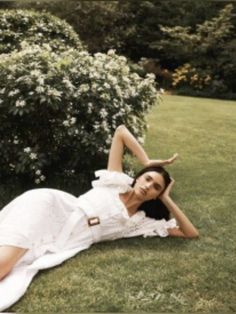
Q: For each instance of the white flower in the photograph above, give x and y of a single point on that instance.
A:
(66, 123)
(162, 91)
(125, 70)
(103, 113)
(42, 178)
(98, 55)
(35, 73)
(90, 107)
(151, 76)
(122, 59)
(98, 64)
(40, 89)
(12, 67)
(38, 172)
(40, 80)
(84, 88)
(73, 120)
(106, 85)
(27, 150)
(111, 52)
(94, 87)
(2, 91)
(37, 181)
(104, 125)
(112, 79)
(13, 92)
(33, 156)
(141, 140)
(54, 92)
(20, 103)
(118, 91)
(68, 83)
(16, 141)
(126, 80)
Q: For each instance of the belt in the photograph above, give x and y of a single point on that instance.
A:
(67, 229)
(93, 219)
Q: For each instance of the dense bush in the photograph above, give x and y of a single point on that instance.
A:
(58, 112)
(17, 26)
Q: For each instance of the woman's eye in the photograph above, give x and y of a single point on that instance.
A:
(147, 178)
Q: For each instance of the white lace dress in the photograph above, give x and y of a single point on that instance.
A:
(54, 226)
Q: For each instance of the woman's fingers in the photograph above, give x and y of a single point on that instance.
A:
(172, 159)
(160, 162)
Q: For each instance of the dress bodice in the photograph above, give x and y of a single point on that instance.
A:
(103, 202)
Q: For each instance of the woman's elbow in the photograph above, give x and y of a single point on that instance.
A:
(121, 128)
(192, 235)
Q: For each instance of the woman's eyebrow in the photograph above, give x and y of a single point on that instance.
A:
(155, 183)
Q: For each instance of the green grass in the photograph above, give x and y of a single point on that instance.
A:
(164, 275)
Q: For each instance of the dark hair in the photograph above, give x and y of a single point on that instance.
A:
(155, 208)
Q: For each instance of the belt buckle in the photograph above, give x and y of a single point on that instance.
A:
(93, 221)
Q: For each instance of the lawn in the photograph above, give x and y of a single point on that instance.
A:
(163, 274)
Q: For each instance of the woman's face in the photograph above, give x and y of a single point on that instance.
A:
(149, 185)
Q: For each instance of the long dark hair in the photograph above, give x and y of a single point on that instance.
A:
(155, 208)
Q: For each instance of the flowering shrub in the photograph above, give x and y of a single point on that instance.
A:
(17, 26)
(58, 112)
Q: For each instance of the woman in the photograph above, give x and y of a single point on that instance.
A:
(41, 228)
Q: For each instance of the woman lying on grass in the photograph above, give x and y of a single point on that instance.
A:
(43, 227)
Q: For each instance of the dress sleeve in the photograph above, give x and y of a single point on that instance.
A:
(113, 179)
(139, 225)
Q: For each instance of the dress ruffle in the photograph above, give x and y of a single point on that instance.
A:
(139, 224)
(119, 180)
(161, 228)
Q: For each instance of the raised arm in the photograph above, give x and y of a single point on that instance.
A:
(123, 138)
(186, 228)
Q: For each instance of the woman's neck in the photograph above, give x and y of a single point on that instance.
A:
(131, 202)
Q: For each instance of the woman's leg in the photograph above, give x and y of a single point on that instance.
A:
(9, 256)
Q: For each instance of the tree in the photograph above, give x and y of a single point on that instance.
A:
(206, 55)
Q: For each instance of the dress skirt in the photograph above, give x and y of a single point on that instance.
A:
(38, 220)
(51, 225)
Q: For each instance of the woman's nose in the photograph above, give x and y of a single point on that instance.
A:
(147, 186)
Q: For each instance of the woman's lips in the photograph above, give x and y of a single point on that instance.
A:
(143, 191)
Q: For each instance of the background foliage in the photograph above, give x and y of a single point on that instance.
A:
(136, 29)
(206, 57)
(17, 26)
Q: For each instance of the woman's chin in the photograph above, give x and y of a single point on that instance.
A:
(140, 195)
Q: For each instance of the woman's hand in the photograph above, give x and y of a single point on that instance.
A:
(161, 162)
(186, 229)
(166, 193)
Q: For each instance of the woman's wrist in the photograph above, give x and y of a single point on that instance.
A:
(167, 200)
(146, 162)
